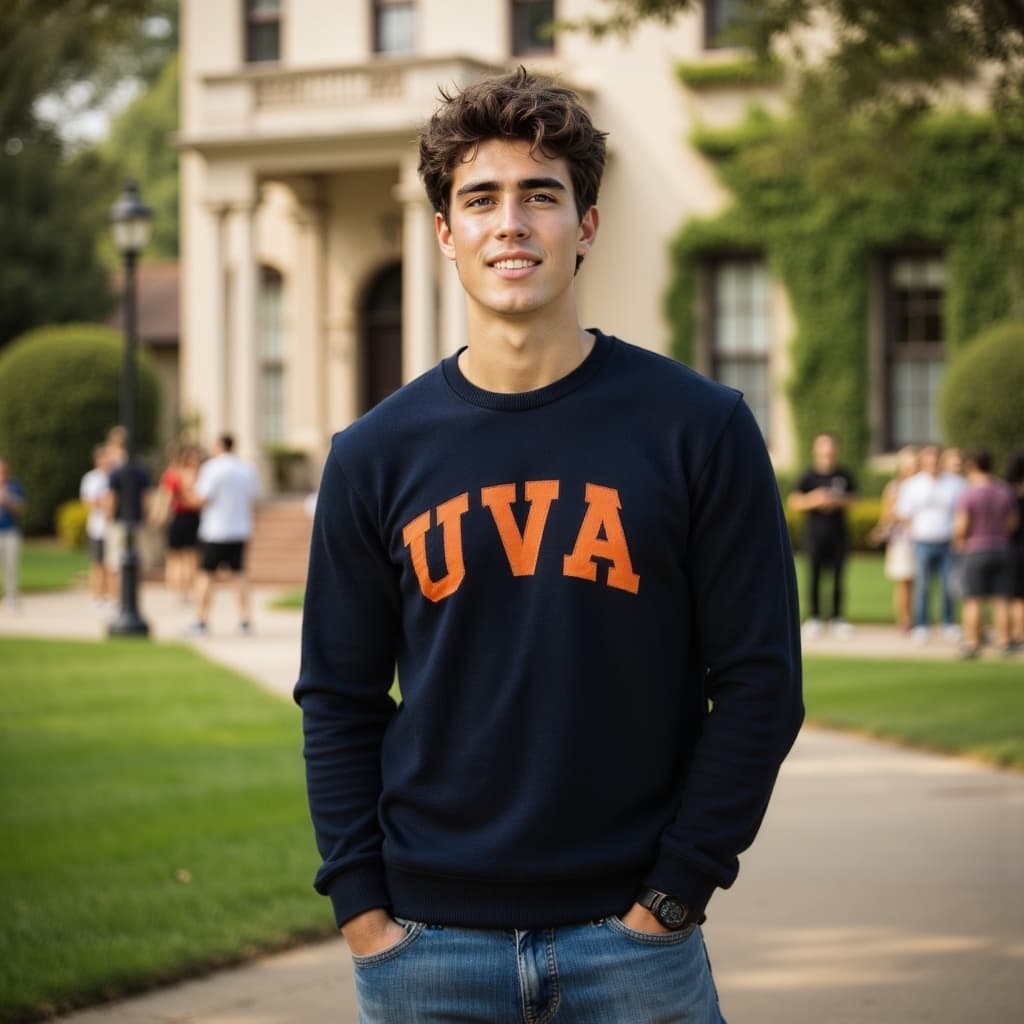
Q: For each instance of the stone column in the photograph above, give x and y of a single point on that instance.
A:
(245, 364)
(419, 254)
(454, 328)
(216, 341)
(307, 357)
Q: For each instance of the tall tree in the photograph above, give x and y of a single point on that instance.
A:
(52, 208)
(903, 53)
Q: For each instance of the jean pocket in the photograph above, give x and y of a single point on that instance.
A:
(413, 930)
(650, 938)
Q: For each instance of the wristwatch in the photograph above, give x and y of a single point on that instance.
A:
(670, 912)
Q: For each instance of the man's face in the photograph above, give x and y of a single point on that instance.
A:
(825, 453)
(930, 459)
(513, 230)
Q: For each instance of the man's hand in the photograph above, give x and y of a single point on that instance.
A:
(372, 932)
(640, 919)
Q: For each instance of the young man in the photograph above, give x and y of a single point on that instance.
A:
(824, 493)
(986, 517)
(927, 507)
(574, 551)
(93, 490)
(12, 504)
(225, 491)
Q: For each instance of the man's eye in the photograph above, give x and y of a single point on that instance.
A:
(542, 197)
(479, 201)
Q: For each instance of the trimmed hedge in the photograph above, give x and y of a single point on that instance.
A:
(982, 398)
(60, 389)
(861, 518)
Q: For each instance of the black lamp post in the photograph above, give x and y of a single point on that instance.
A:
(130, 219)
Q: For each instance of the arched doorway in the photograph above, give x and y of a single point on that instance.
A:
(380, 319)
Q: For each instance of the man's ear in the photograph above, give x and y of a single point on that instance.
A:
(588, 231)
(444, 236)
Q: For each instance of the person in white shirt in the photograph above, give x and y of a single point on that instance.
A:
(225, 490)
(92, 491)
(927, 507)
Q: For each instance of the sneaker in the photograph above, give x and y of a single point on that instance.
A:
(969, 651)
(196, 629)
(812, 627)
(951, 633)
(842, 629)
(245, 628)
(919, 634)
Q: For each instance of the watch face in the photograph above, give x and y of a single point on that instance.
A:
(672, 914)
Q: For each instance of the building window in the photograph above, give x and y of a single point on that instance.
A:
(262, 31)
(719, 17)
(271, 355)
(394, 26)
(915, 288)
(740, 331)
(531, 21)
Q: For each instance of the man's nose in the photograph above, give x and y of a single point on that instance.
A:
(511, 222)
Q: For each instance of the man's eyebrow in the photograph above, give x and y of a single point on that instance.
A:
(525, 185)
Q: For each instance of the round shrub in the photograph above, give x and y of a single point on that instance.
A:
(60, 392)
(981, 400)
(71, 520)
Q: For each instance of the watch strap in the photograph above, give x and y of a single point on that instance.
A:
(653, 899)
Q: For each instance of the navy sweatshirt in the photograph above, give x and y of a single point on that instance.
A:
(588, 592)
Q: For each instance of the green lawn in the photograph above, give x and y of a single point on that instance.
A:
(49, 565)
(153, 818)
(868, 593)
(974, 708)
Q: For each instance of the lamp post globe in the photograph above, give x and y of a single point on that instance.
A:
(130, 222)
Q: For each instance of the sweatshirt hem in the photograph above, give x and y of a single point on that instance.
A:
(501, 903)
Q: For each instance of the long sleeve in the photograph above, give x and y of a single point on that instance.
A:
(746, 626)
(350, 624)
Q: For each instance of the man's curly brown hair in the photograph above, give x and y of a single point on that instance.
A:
(520, 105)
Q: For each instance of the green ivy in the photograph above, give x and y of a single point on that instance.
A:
(956, 184)
(724, 74)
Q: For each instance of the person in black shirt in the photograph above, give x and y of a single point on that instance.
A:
(824, 492)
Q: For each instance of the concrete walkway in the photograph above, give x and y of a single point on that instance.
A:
(886, 885)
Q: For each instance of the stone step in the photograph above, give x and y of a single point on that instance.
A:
(279, 548)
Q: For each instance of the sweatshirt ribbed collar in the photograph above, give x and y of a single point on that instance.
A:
(522, 400)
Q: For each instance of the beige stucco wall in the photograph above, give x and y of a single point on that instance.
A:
(280, 165)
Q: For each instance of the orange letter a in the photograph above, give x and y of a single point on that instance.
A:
(449, 518)
(602, 514)
(521, 549)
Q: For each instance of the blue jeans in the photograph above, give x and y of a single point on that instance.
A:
(596, 973)
(932, 560)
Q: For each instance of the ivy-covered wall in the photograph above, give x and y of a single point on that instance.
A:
(958, 185)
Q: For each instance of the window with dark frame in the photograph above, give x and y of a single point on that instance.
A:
(394, 26)
(914, 341)
(719, 17)
(262, 31)
(270, 325)
(531, 21)
(739, 294)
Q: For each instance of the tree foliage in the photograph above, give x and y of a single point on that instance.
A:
(59, 395)
(141, 146)
(53, 203)
(980, 403)
(906, 52)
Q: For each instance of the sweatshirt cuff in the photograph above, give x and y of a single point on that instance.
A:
(687, 886)
(355, 891)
